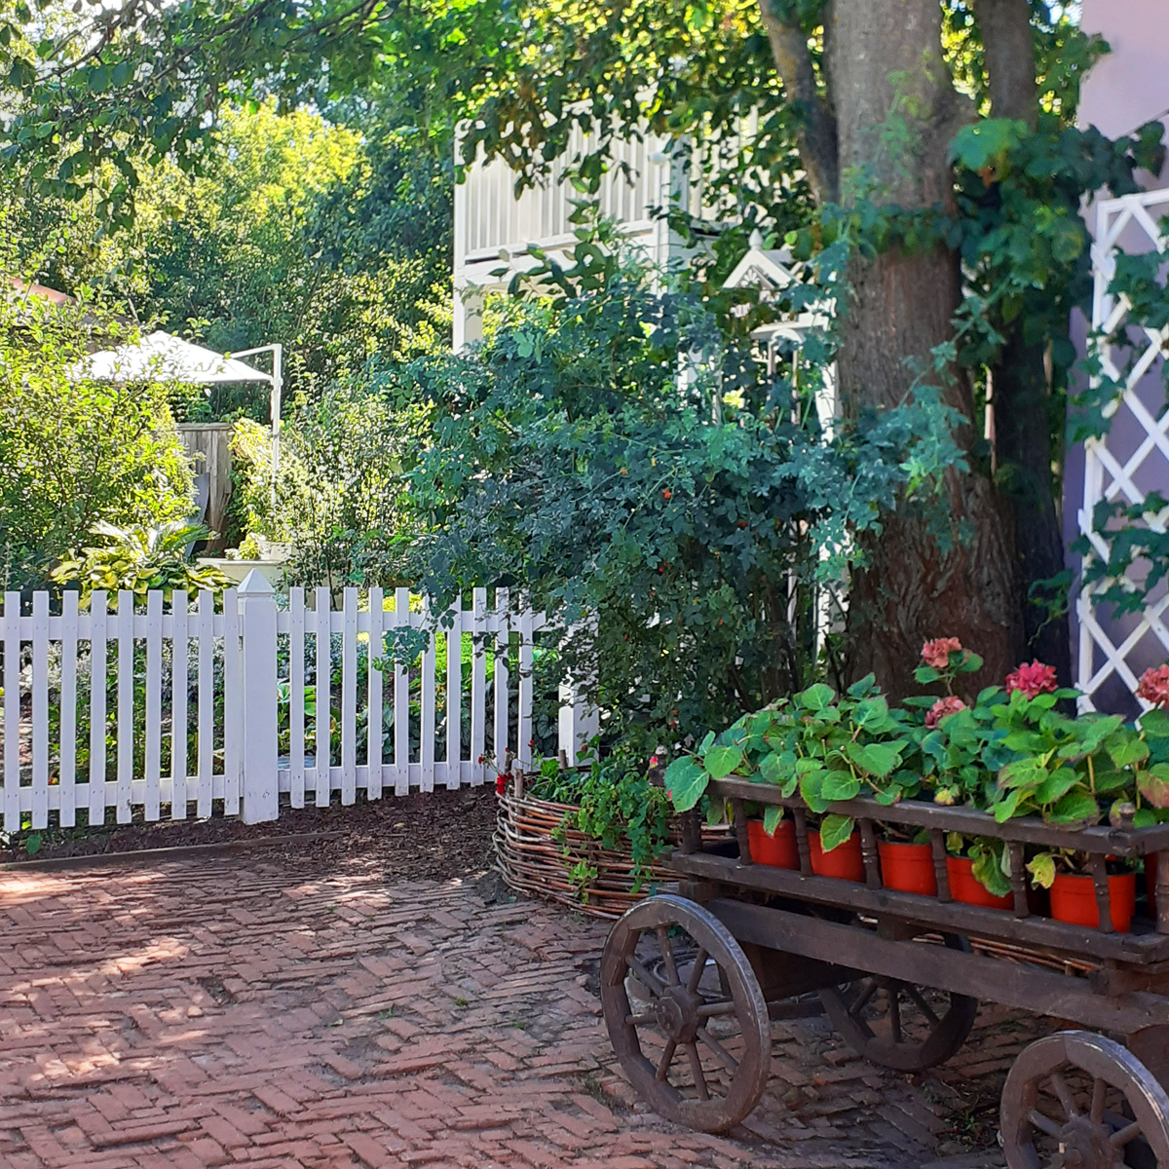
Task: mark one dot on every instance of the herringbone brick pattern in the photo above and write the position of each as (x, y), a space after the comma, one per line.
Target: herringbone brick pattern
(245, 1011)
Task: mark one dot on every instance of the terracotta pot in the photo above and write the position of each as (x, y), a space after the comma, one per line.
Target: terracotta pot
(779, 850)
(965, 887)
(844, 861)
(908, 867)
(1073, 899)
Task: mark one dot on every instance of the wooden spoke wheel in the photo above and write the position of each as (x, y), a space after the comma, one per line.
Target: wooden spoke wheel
(898, 1024)
(685, 1014)
(1079, 1101)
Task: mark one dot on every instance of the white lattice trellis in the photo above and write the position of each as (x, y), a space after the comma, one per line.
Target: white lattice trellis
(1133, 458)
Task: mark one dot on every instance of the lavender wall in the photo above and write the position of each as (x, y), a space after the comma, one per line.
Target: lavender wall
(1127, 88)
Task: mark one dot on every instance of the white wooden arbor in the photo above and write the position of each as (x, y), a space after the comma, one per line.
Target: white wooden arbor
(1131, 460)
(771, 271)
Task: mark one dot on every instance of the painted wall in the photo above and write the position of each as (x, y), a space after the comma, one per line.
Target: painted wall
(1127, 88)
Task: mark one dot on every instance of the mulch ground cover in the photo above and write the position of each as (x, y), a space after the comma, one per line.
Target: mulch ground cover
(425, 835)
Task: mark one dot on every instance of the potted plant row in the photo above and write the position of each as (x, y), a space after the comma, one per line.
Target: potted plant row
(1010, 751)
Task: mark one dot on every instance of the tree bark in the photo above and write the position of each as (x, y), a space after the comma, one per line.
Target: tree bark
(1009, 53)
(896, 112)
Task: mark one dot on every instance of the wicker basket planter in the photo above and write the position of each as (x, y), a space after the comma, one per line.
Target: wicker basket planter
(531, 861)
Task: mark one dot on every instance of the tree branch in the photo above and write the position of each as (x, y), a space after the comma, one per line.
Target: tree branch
(817, 137)
(1010, 58)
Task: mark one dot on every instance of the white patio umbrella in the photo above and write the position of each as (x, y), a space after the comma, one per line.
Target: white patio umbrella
(163, 357)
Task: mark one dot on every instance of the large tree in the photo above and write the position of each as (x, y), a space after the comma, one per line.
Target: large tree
(854, 105)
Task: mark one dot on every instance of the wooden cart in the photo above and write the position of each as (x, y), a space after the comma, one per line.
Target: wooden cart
(691, 978)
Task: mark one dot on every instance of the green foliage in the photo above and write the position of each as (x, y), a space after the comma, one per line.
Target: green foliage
(659, 524)
(74, 452)
(140, 558)
(615, 800)
(340, 495)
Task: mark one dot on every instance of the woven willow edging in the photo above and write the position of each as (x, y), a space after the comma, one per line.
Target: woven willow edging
(531, 861)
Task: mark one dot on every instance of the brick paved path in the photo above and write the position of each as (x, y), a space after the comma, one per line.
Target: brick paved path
(240, 1010)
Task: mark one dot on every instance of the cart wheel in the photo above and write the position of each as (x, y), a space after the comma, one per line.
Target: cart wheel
(900, 1025)
(1079, 1101)
(697, 1053)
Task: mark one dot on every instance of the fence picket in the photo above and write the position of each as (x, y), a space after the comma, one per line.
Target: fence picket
(296, 697)
(40, 710)
(233, 703)
(322, 723)
(206, 739)
(152, 759)
(178, 701)
(11, 712)
(502, 649)
(454, 698)
(478, 682)
(349, 697)
(373, 786)
(98, 664)
(525, 692)
(426, 720)
(67, 776)
(125, 621)
(401, 701)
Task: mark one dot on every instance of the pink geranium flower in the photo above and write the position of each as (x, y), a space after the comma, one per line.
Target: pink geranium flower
(1154, 686)
(1032, 679)
(941, 708)
(936, 653)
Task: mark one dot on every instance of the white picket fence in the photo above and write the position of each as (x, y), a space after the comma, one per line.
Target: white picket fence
(177, 709)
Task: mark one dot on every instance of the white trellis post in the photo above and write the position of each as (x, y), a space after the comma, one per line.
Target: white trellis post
(261, 795)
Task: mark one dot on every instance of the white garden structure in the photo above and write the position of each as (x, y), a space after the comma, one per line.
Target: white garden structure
(1132, 460)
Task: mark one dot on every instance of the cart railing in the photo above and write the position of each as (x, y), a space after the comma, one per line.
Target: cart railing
(941, 911)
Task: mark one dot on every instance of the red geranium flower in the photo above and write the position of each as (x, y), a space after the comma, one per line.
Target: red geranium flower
(941, 708)
(936, 653)
(501, 785)
(1154, 686)
(1032, 679)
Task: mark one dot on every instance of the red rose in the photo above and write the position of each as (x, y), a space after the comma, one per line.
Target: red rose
(936, 653)
(1032, 679)
(1154, 686)
(941, 708)
(666, 493)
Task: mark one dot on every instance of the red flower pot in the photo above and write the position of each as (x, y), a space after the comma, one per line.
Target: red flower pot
(844, 861)
(1073, 899)
(779, 850)
(908, 867)
(964, 886)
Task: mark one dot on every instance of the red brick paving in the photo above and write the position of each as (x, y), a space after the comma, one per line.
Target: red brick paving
(239, 1011)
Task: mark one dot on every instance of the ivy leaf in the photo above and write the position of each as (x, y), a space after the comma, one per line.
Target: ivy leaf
(721, 761)
(1125, 748)
(771, 818)
(1154, 785)
(834, 831)
(876, 758)
(816, 697)
(1075, 808)
(1042, 870)
(840, 785)
(686, 780)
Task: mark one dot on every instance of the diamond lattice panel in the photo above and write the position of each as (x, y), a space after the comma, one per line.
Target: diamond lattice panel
(1131, 461)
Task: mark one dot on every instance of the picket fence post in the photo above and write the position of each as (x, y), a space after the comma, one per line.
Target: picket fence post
(260, 788)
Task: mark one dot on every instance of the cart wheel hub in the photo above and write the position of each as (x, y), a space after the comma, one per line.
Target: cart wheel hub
(677, 1014)
(1084, 1145)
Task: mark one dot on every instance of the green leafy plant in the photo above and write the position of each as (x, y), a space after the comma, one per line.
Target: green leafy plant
(140, 558)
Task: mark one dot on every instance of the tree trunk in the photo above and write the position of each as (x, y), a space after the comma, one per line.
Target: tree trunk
(896, 113)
